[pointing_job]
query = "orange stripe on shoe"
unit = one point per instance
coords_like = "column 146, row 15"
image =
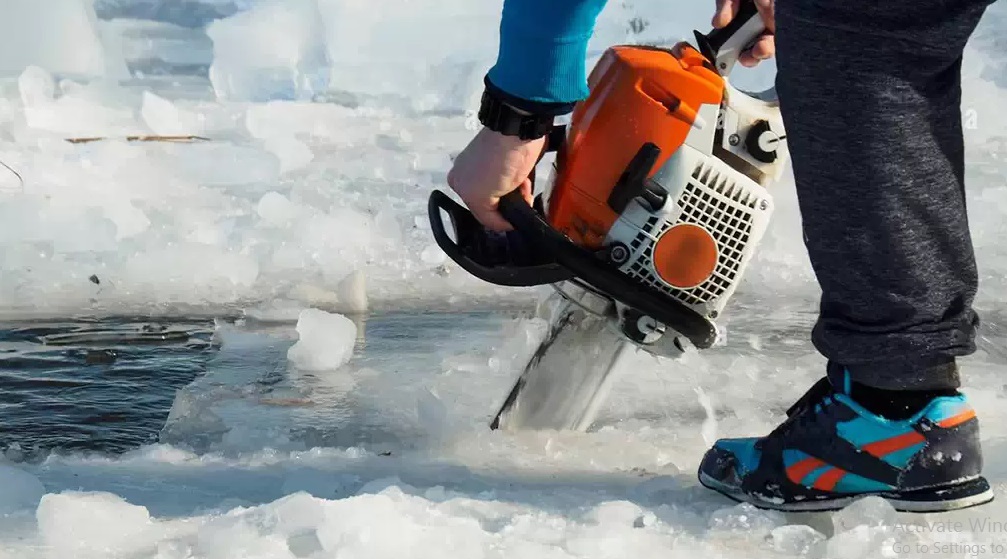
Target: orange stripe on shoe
column 798, row 470
column 828, row 480
column 957, row 419
column 885, row 446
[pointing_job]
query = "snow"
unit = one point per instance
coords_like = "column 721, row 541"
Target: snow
column 326, row 125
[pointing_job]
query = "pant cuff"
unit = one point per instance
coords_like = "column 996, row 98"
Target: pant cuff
column 934, row 374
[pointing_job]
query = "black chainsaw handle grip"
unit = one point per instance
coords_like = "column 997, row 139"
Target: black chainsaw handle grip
column 589, row 267
column 480, row 255
column 724, row 46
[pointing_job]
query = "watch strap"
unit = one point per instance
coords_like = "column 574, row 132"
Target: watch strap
column 499, row 116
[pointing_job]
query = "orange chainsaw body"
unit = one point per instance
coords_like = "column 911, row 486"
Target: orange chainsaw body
column 638, row 95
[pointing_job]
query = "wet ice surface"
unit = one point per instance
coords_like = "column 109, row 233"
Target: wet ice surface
column 389, row 455
column 293, row 204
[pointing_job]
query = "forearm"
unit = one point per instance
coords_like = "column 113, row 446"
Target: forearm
column 541, row 63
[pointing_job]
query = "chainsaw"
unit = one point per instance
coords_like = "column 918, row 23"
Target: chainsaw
column 660, row 194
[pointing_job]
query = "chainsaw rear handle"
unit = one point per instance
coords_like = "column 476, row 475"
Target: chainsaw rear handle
column 481, row 256
column 724, row 46
column 589, row 267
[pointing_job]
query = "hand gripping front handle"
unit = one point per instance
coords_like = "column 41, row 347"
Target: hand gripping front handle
column 724, row 46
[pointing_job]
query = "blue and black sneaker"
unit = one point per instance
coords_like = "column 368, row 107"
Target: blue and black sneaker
column 830, row 451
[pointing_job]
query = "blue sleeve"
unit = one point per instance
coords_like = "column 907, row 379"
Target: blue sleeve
column 543, row 49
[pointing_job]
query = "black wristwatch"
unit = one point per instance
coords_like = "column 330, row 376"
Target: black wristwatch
column 499, row 116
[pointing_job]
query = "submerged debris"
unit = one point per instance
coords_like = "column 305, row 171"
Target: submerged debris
column 100, row 357
column 146, row 335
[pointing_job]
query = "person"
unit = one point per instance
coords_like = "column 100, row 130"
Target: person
column 870, row 94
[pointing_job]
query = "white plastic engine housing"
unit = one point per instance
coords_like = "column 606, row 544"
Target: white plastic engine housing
column 704, row 191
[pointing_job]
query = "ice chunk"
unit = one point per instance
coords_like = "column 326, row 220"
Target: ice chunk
column 292, row 153
column 433, row 255
column 36, row 86
column 275, row 209
column 128, row 219
column 190, row 271
column 379, row 52
column 746, row 518
column 431, row 411
column 61, row 36
column 618, row 513
column 710, row 423
column 325, row 340
column 286, row 119
column 22, row 491
column 869, row 511
column 866, row 528
column 352, row 293
column 87, row 112
column 166, row 119
column 277, row 310
column 275, row 50
column 392, row 524
column 796, row 539
column 217, row 164
column 310, row 294
column 80, row 524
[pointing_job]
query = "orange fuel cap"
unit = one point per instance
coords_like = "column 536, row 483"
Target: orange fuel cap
column 685, row 255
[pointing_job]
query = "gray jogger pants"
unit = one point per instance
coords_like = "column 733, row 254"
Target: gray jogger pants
column 870, row 94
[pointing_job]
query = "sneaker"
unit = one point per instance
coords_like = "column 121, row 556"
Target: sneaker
column 830, row 451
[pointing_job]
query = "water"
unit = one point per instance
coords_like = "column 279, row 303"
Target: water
column 93, row 387
column 107, row 386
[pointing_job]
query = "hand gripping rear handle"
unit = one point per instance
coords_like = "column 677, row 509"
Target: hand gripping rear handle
column 468, row 248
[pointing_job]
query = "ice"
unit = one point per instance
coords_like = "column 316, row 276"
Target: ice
column 36, row 86
column 433, row 255
column 72, row 43
column 745, row 518
column 797, row 540
column 351, row 293
column 328, row 122
column 372, row 51
column 76, row 112
column 22, row 491
column 166, row 119
column 273, row 51
column 871, row 512
column 325, row 340
column 276, row 209
column 293, row 154
column 191, row 270
column 92, row 524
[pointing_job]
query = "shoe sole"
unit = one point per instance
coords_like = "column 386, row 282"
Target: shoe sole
column 967, row 494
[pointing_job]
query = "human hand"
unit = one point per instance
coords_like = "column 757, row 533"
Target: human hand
column 491, row 166
column 765, row 47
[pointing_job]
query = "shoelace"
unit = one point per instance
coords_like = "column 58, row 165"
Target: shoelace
column 802, row 411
